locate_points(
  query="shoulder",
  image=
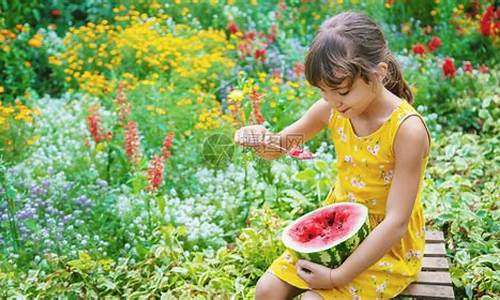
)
(412, 139)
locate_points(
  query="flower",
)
(36, 41)
(167, 144)
(56, 13)
(232, 27)
(122, 104)
(467, 67)
(236, 95)
(418, 49)
(449, 68)
(434, 43)
(486, 26)
(155, 173)
(483, 69)
(298, 69)
(132, 142)
(94, 125)
(260, 53)
(257, 114)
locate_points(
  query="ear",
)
(381, 70)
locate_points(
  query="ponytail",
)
(394, 80)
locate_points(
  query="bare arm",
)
(313, 121)
(410, 147)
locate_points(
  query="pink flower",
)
(449, 68)
(483, 69)
(155, 173)
(467, 67)
(132, 143)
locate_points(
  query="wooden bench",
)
(434, 281)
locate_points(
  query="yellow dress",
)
(365, 169)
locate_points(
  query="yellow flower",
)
(1, 89)
(32, 140)
(36, 41)
(236, 95)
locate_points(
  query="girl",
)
(382, 147)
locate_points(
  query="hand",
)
(251, 136)
(256, 137)
(320, 277)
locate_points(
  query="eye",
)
(344, 93)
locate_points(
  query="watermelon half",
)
(328, 235)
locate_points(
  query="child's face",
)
(349, 101)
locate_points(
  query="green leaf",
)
(305, 175)
(321, 165)
(160, 201)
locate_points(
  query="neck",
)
(381, 106)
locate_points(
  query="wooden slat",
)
(434, 264)
(434, 237)
(434, 250)
(433, 291)
(432, 277)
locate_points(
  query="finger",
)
(304, 274)
(305, 264)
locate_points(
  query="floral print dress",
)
(365, 170)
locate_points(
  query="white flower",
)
(374, 150)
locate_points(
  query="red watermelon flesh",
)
(325, 226)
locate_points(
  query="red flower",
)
(418, 49)
(467, 67)
(167, 144)
(132, 143)
(155, 173)
(94, 125)
(232, 27)
(298, 69)
(449, 68)
(485, 23)
(55, 13)
(434, 43)
(257, 114)
(260, 53)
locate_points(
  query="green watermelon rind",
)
(334, 255)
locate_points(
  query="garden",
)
(119, 177)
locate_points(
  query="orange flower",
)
(257, 114)
(155, 173)
(132, 142)
(36, 41)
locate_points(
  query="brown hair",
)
(349, 45)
